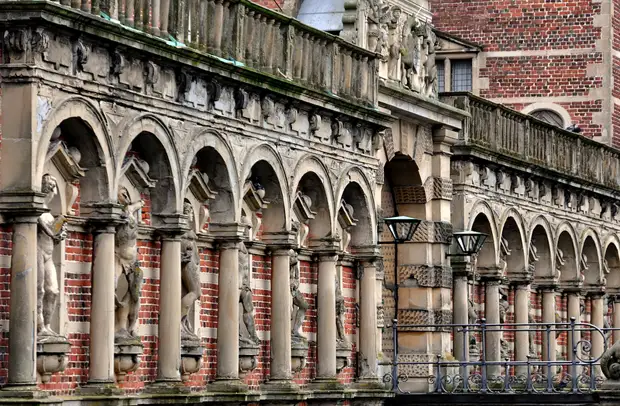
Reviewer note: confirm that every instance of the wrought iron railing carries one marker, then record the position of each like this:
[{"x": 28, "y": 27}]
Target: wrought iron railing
[{"x": 484, "y": 372}]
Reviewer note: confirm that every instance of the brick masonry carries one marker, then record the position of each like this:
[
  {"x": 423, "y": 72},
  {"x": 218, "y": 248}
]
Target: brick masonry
[{"x": 540, "y": 50}]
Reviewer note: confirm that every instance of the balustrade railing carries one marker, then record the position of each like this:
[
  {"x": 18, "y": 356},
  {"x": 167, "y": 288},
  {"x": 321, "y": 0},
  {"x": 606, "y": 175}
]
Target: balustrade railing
[
  {"x": 248, "y": 34},
  {"x": 480, "y": 371},
  {"x": 499, "y": 130}
]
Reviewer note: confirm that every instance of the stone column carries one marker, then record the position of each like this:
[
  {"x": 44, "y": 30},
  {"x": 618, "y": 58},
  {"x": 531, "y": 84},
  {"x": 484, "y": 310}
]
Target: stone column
[
  {"x": 574, "y": 311},
  {"x": 281, "y": 319},
  {"x": 101, "y": 365},
  {"x": 522, "y": 335},
  {"x": 460, "y": 271},
  {"x": 597, "y": 318},
  {"x": 326, "y": 312},
  {"x": 368, "y": 323},
  {"x": 227, "y": 376},
  {"x": 616, "y": 320},
  {"x": 548, "y": 316},
  {"x": 493, "y": 337},
  {"x": 22, "y": 317},
  {"x": 169, "y": 360}
]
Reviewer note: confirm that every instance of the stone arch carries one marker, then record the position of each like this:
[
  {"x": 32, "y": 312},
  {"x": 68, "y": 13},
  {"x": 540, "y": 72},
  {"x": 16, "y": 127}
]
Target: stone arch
[
  {"x": 541, "y": 259},
  {"x": 513, "y": 239},
  {"x": 555, "y": 108},
  {"x": 402, "y": 174},
  {"x": 492, "y": 242},
  {"x": 567, "y": 253},
  {"x": 590, "y": 260},
  {"x": 611, "y": 263},
  {"x": 264, "y": 165},
  {"x": 355, "y": 175},
  {"x": 312, "y": 179},
  {"x": 150, "y": 136},
  {"x": 216, "y": 159},
  {"x": 81, "y": 115}
]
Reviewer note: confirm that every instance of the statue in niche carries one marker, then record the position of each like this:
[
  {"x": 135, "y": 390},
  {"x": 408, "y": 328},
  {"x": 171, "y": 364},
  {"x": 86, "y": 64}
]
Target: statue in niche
[
  {"x": 50, "y": 231},
  {"x": 126, "y": 253},
  {"x": 395, "y": 26},
  {"x": 429, "y": 45},
  {"x": 533, "y": 257},
  {"x": 584, "y": 268},
  {"x": 503, "y": 253},
  {"x": 247, "y": 329},
  {"x": 190, "y": 274},
  {"x": 411, "y": 54},
  {"x": 472, "y": 318},
  {"x": 532, "y": 336},
  {"x": 341, "y": 339},
  {"x": 503, "y": 312},
  {"x": 300, "y": 305},
  {"x": 559, "y": 263}
]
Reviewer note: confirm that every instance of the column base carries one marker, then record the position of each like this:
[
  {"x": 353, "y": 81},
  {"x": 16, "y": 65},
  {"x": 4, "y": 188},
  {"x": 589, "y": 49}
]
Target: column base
[
  {"x": 280, "y": 386},
  {"x": 22, "y": 392},
  {"x": 227, "y": 386},
  {"x": 326, "y": 385},
  {"x": 99, "y": 389},
  {"x": 166, "y": 387}
]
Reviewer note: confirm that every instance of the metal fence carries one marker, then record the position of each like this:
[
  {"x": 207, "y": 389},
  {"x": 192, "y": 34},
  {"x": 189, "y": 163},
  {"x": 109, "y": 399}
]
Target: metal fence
[{"x": 482, "y": 372}]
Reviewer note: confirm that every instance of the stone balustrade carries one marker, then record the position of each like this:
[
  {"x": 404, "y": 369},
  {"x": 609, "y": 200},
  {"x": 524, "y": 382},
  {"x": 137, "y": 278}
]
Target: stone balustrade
[
  {"x": 493, "y": 129},
  {"x": 249, "y": 35}
]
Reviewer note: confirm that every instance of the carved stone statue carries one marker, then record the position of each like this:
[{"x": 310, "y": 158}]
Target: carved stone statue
[
  {"x": 504, "y": 252},
  {"x": 532, "y": 336},
  {"x": 559, "y": 263},
  {"x": 300, "y": 305},
  {"x": 472, "y": 318},
  {"x": 341, "y": 338},
  {"x": 584, "y": 267},
  {"x": 395, "y": 26},
  {"x": 127, "y": 297},
  {"x": 50, "y": 231},
  {"x": 503, "y": 311},
  {"x": 431, "y": 84},
  {"x": 190, "y": 274},
  {"x": 533, "y": 257},
  {"x": 247, "y": 329},
  {"x": 610, "y": 362}
]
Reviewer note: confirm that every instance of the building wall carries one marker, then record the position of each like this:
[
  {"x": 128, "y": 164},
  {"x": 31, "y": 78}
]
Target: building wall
[{"x": 539, "y": 52}]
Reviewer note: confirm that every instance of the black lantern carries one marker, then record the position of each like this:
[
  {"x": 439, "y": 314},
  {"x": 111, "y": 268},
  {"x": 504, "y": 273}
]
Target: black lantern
[
  {"x": 402, "y": 227},
  {"x": 469, "y": 242}
]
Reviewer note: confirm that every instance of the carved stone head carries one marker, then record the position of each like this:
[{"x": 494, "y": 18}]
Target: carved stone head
[
  {"x": 188, "y": 210},
  {"x": 49, "y": 186}
]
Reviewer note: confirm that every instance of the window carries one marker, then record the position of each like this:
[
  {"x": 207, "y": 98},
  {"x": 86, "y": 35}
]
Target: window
[
  {"x": 461, "y": 75},
  {"x": 549, "y": 116},
  {"x": 441, "y": 76}
]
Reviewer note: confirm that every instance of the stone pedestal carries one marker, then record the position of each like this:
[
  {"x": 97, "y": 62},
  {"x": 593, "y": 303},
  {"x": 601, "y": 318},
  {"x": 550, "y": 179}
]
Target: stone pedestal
[
  {"x": 248, "y": 359},
  {"x": 127, "y": 357},
  {"x": 342, "y": 358},
  {"x": 299, "y": 353},
  {"x": 52, "y": 356},
  {"x": 191, "y": 358}
]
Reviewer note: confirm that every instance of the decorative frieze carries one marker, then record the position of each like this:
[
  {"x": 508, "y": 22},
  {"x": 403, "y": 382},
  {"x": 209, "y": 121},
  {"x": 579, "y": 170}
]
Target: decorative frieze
[{"x": 427, "y": 276}]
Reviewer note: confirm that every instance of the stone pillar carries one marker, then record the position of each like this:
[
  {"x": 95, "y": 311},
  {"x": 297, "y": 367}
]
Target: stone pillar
[
  {"x": 574, "y": 311},
  {"x": 616, "y": 320},
  {"x": 227, "y": 376},
  {"x": 460, "y": 271},
  {"x": 22, "y": 317},
  {"x": 548, "y": 316},
  {"x": 597, "y": 318},
  {"x": 493, "y": 337},
  {"x": 368, "y": 323},
  {"x": 102, "y": 308},
  {"x": 326, "y": 312},
  {"x": 281, "y": 319},
  {"x": 522, "y": 335},
  {"x": 169, "y": 360}
]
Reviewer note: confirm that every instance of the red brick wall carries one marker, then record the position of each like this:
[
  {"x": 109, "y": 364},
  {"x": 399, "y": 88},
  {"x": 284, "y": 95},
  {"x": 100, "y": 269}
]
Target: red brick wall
[
  {"x": 534, "y": 25},
  {"x": 615, "y": 114}
]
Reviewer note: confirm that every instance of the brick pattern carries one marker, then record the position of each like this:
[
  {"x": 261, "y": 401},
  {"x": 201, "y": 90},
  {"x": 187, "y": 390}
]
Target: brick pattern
[
  {"x": 501, "y": 25},
  {"x": 347, "y": 375},
  {"x": 146, "y": 209},
  {"x": 6, "y": 246}
]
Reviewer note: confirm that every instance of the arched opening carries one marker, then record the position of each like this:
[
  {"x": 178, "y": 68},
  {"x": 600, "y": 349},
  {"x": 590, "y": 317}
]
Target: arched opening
[
  {"x": 353, "y": 203},
  {"x": 540, "y": 260},
  {"x": 611, "y": 267},
  {"x": 566, "y": 260},
  {"x": 590, "y": 263},
  {"x": 311, "y": 209},
  {"x": 263, "y": 201},
  {"x": 486, "y": 259},
  {"x": 511, "y": 249},
  {"x": 403, "y": 177}
]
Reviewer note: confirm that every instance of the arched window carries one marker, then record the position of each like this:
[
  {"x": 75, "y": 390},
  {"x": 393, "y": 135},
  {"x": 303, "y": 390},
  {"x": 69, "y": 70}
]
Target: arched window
[{"x": 549, "y": 116}]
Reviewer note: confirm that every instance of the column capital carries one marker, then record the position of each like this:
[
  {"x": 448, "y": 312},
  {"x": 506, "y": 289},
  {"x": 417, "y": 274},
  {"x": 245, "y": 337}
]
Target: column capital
[
  {"x": 280, "y": 238},
  {"x": 462, "y": 267},
  {"x": 367, "y": 252},
  {"x": 170, "y": 226},
  {"x": 547, "y": 288},
  {"x": 103, "y": 216},
  {"x": 325, "y": 244},
  {"x": 228, "y": 231},
  {"x": 327, "y": 256},
  {"x": 228, "y": 244},
  {"x": 595, "y": 294},
  {"x": 281, "y": 250},
  {"x": 22, "y": 206}
]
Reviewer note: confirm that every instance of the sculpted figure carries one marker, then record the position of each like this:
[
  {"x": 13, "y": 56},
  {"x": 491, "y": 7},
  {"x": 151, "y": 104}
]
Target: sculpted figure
[
  {"x": 190, "y": 273},
  {"x": 395, "y": 35},
  {"x": 50, "y": 231},
  {"x": 559, "y": 263},
  {"x": 504, "y": 252},
  {"x": 532, "y": 335},
  {"x": 341, "y": 338},
  {"x": 430, "y": 68},
  {"x": 533, "y": 253},
  {"x": 610, "y": 362},
  {"x": 411, "y": 54},
  {"x": 300, "y": 305},
  {"x": 126, "y": 250},
  {"x": 247, "y": 331}
]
